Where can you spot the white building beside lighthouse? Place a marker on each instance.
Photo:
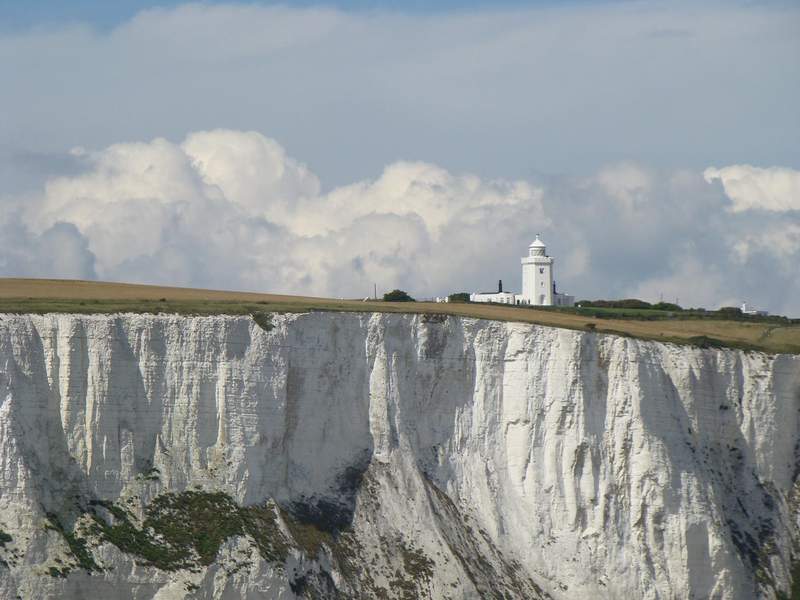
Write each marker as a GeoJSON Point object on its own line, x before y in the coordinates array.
{"type": "Point", "coordinates": [538, 282]}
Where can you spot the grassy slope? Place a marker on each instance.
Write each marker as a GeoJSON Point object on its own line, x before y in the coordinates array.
{"type": "Point", "coordinates": [47, 295]}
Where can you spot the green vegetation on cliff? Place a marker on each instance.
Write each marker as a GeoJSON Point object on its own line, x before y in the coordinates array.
{"type": "Point", "coordinates": [181, 530]}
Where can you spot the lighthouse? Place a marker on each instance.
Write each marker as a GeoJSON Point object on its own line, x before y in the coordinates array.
{"type": "Point", "coordinates": [538, 284]}
{"type": "Point", "coordinates": [537, 275]}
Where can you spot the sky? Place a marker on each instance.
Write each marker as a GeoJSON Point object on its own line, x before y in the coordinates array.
{"type": "Point", "coordinates": [322, 148]}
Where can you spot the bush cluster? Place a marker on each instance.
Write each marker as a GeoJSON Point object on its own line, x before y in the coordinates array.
{"type": "Point", "coordinates": [629, 303]}
{"type": "Point", "coordinates": [397, 296]}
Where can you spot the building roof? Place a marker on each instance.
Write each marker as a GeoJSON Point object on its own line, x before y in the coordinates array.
{"type": "Point", "coordinates": [537, 243]}
{"type": "Point", "coordinates": [496, 293]}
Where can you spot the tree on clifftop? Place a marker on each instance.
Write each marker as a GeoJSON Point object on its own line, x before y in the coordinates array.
{"type": "Point", "coordinates": [458, 297]}
{"type": "Point", "coordinates": [397, 296]}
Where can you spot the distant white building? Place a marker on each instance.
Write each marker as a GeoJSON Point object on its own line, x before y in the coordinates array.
{"type": "Point", "coordinates": [500, 297]}
{"type": "Point", "coordinates": [538, 283]}
{"type": "Point", "coordinates": [749, 310]}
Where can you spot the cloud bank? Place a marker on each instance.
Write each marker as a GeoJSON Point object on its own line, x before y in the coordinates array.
{"type": "Point", "coordinates": [231, 209]}
{"type": "Point", "coordinates": [751, 188]}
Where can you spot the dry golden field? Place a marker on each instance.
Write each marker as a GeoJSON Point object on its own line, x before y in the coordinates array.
{"type": "Point", "coordinates": [51, 295]}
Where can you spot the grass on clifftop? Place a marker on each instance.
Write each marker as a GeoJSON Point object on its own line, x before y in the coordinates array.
{"type": "Point", "coordinates": [41, 296]}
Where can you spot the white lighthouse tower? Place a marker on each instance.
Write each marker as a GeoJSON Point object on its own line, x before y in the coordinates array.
{"type": "Point", "coordinates": [538, 285]}
{"type": "Point", "coordinates": [537, 275]}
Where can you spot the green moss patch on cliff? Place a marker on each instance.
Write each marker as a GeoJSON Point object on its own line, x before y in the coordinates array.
{"type": "Point", "coordinates": [417, 572]}
{"type": "Point", "coordinates": [194, 521]}
{"type": "Point", "coordinates": [263, 320]}
{"type": "Point", "coordinates": [261, 523]}
{"type": "Point", "coordinates": [5, 538]}
{"type": "Point", "coordinates": [78, 548]}
{"type": "Point", "coordinates": [182, 530]}
{"type": "Point", "coordinates": [186, 530]}
{"type": "Point", "coordinates": [794, 591]}
{"type": "Point", "coordinates": [307, 536]}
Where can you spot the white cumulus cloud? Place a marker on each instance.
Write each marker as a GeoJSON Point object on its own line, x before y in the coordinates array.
{"type": "Point", "coordinates": [231, 209]}
{"type": "Point", "coordinates": [755, 188]}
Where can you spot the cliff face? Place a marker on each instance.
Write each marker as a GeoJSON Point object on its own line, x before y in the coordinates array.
{"type": "Point", "coordinates": [398, 456]}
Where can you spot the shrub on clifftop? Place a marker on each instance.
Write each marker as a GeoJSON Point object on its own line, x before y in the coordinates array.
{"type": "Point", "coordinates": [459, 297]}
{"type": "Point", "coordinates": [397, 296]}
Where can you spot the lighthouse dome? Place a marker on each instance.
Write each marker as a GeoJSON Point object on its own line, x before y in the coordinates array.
{"type": "Point", "coordinates": [537, 247]}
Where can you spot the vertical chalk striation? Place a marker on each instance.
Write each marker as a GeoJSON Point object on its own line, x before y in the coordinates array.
{"type": "Point", "coordinates": [342, 455]}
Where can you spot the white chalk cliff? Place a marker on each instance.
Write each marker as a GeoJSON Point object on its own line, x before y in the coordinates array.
{"type": "Point", "coordinates": [336, 455]}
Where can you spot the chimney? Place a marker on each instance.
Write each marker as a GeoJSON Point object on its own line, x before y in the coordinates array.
{"type": "Point", "coordinates": [500, 286]}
